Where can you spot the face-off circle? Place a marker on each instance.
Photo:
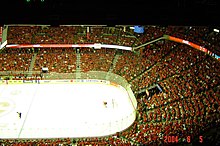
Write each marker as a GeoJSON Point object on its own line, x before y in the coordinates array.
{"type": "Point", "coordinates": [6, 106]}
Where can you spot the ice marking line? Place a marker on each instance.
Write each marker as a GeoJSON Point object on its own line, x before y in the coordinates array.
{"type": "Point", "coordinates": [36, 89]}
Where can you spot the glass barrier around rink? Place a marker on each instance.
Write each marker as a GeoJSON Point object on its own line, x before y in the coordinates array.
{"type": "Point", "coordinates": [99, 75]}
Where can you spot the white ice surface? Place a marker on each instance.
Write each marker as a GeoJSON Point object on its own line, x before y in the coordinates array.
{"type": "Point", "coordinates": [63, 110]}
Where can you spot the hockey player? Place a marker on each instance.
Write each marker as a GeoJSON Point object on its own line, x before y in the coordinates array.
{"type": "Point", "coordinates": [19, 114]}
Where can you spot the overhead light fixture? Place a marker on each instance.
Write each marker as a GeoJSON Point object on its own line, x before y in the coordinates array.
{"type": "Point", "coordinates": [216, 30]}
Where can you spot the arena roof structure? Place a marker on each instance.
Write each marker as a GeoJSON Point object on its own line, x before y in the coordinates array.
{"type": "Point", "coordinates": [176, 12]}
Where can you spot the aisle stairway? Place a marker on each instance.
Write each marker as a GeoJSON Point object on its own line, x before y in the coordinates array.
{"type": "Point", "coordinates": [115, 60]}
{"type": "Point", "coordinates": [78, 69]}
{"type": "Point", "coordinates": [32, 64]}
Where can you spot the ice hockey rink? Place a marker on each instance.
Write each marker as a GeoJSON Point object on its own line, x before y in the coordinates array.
{"type": "Point", "coordinates": [63, 110]}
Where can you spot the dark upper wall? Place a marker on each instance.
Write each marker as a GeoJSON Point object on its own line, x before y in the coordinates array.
{"type": "Point", "coordinates": [176, 12]}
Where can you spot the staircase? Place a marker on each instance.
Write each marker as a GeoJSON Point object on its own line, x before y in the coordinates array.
{"type": "Point", "coordinates": [78, 63]}
{"type": "Point", "coordinates": [115, 60]}
{"type": "Point", "coordinates": [32, 64]}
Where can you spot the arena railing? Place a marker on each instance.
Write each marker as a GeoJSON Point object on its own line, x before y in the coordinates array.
{"type": "Point", "coordinates": [8, 73]}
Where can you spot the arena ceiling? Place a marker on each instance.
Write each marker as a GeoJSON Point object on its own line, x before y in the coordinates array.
{"type": "Point", "coordinates": [177, 12]}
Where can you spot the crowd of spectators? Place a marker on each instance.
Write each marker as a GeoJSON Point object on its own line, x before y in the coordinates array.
{"type": "Point", "coordinates": [178, 60]}
{"type": "Point", "coordinates": [93, 60]}
{"type": "Point", "coordinates": [15, 62]}
{"type": "Point", "coordinates": [190, 79]}
{"type": "Point", "coordinates": [202, 35]}
{"type": "Point", "coordinates": [130, 64]}
{"type": "Point", "coordinates": [60, 60]}
{"type": "Point", "coordinates": [69, 35]}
